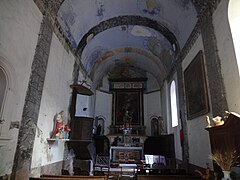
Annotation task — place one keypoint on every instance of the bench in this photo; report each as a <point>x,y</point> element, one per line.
<point>168,177</point>
<point>68,177</point>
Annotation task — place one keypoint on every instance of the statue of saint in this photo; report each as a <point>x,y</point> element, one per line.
<point>208,122</point>
<point>99,129</point>
<point>58,125</point>
<point>127,120</point>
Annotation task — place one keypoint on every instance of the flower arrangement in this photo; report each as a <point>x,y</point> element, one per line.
<point>226,159</point>
<point>67,128</point>
<point>66,131</point>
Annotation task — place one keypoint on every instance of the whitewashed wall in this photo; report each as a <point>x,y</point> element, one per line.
<point>55,97</point>
<point>103,108</point>
<point>152,83</point>
<point>152,107</point>
<point>20,24</point>
<point>198,138</point>
<point>227,56</point>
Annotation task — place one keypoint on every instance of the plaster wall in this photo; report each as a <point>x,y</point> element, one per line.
<point>104,86</point>
<point>152,83</point>
<point>103,108</point>
<point>20,24</point>
<point>55,97</point>
<point>151,102</point>
<point>227,56</point>
<point>198,138</point>
<point>152,107</point>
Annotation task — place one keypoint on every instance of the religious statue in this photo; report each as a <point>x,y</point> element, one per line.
<point>127,120</point>
<point>208,122</point>
<point>155,127</point>
<point>99,129</point>
<point>58,127</point>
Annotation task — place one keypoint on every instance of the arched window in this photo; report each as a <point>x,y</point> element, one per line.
<point>3,86</point>
<point>234,21</point>
<point>174,109</point>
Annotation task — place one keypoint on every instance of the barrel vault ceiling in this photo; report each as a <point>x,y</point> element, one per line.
<point>141,36</point>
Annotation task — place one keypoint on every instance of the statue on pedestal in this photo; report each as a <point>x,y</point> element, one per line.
<point>58,127</point>
<point>127,120</point>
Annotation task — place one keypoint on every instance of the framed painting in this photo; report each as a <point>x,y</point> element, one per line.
<point>196,88</point>
<point>130,102</point>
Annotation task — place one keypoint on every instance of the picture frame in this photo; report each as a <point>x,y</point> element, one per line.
<point>196,87</point>
<point>130,101</point>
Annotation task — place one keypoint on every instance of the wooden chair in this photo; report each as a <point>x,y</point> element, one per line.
<point>102,167</point>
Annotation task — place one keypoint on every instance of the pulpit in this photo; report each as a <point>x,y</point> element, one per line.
<point>81,137</point>
<point>225,138</point>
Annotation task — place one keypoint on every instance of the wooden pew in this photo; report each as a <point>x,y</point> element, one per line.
<point>68,177</point>
<point>168,177</point>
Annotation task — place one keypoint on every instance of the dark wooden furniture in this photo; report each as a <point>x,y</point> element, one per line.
<point>167,177</point>
<point>81,137</point>
<point>102,144</point>
<point>68,177</point>
<point>225,138</point>
<point>81,132</point>
<point>81,128</point>
<point>82,89</point>
<point>162,145</point>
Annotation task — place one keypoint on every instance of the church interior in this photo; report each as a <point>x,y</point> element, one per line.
<point>119,89</point>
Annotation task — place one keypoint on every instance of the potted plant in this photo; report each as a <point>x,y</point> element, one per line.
<point>225,160</point>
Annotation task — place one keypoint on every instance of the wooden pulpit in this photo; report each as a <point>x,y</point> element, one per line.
<point>226,137</point>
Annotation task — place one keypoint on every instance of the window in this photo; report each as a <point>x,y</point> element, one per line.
<point>234,21</point>
<point>174,108</point>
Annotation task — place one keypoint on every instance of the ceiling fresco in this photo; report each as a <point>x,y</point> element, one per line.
<point>140,61</point>
<point>132,37</point>
<point>145,34</point>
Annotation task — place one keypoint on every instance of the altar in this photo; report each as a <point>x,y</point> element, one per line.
<point>126,148</point>
<point>128,155</point>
